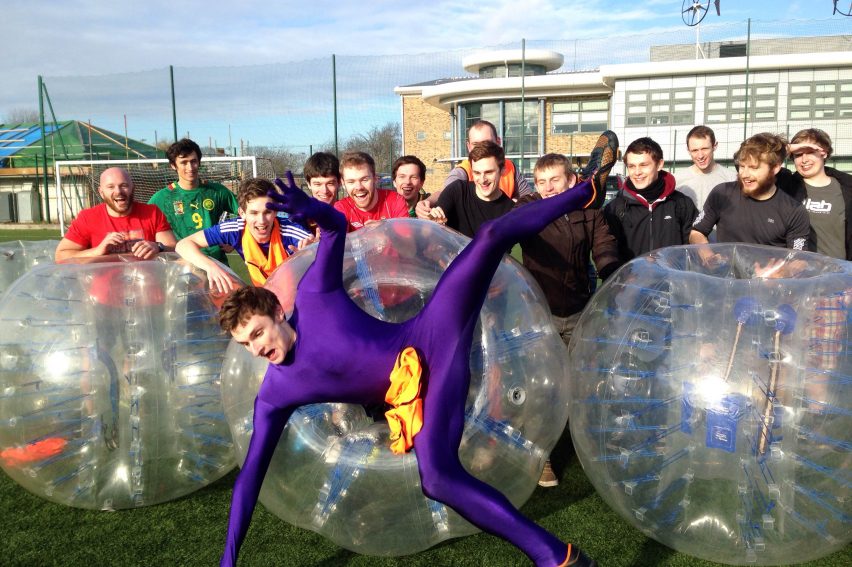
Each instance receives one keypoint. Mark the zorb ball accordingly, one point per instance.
(20, 256)
(109, 383)
(711, 401)
(333, 471)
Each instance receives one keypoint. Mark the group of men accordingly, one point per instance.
(760, 203)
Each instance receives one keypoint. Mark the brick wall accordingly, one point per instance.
(427, 136)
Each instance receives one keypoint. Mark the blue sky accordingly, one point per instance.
(262, 51)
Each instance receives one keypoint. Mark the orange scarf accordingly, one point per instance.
(259, 266)
(405, 419)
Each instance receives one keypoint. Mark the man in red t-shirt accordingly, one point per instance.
(366, 204)
(118, 225)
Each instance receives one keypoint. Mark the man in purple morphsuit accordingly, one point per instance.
(302, 372)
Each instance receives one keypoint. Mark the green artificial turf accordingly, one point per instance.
(191, 530)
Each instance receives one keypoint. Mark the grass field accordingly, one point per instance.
(191, 530)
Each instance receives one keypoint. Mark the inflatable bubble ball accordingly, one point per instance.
(333, 471)
(711, 401)
(109, 383)
(20, 256)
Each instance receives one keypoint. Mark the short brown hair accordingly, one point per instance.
(479, 124)
(763, 147)
(701, 131)
(252, 189)
(644, 146)
(548, 161)
(241, 304)
(321, 164)
(357, 159)
(484, 150)
(815, 136)
(409, 160)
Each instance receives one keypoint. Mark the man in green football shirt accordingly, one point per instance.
(190, 204)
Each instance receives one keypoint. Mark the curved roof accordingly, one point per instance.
(550, 60)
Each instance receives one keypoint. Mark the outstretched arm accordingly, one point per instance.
(326, 273)
(269, 422)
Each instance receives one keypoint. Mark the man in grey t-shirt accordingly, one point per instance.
(825, 193)
(704, 174)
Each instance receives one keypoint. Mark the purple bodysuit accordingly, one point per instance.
(357, 370)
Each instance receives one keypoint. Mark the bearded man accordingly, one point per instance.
(752, 209)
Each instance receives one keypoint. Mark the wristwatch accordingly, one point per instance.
(161, 247)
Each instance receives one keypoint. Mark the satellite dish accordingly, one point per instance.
(839, 9)
(693, 11)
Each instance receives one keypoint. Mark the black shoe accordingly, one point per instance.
(601, 160)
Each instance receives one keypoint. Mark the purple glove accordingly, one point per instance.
(291, 200)
(785, 320)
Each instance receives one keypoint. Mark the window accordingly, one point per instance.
(580, 116)
(649, 108)
(514, 131)
(510, 70)
(728, 104)
(506, 117)
(824, 99)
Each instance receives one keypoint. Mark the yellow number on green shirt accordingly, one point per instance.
(197, 219)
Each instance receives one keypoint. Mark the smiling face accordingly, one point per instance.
(324, 189)
(259, 219)
(266, 337)
(360, 183)
(809, 162)
(186, 166)
(116, 190)
(408, 183)
(701, 151)
(486, 176)
(552, 181)
(757, 178)
(642, 170)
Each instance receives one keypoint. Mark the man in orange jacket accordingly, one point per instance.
(512, 182)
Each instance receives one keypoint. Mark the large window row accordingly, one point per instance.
(661, 107)
(580, 116)
(728, 104)
(813, 101)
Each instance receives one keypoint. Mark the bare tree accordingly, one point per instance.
(381, 142)
(282, 158)
(21, 116)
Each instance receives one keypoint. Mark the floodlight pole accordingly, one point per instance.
(748, 61)
(43, 148)
(523, 100)
(334, 97)
(174, 110)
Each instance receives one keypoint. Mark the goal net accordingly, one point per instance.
(77, 180)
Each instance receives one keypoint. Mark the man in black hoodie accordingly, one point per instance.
(647, 213)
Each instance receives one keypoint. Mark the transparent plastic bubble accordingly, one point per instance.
(711, 407)
(333, 471)
(20, 256)
(109, 383)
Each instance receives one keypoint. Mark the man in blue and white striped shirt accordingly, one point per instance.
(263, 240)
